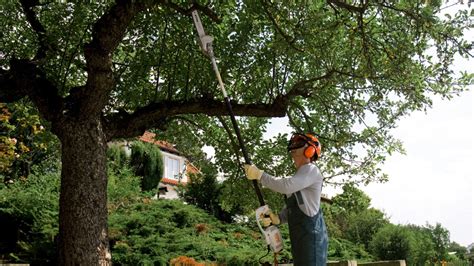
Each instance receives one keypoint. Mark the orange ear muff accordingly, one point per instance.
(310, 151)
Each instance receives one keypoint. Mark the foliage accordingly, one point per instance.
(123, 188)
(158, 231)
(7, 150)
(391, 242)
(440, 238)
(25, 144)
(146, 231)
(342, 249)
(422, 246)
(117, 157)
(460, 251)
(364, 225)
(349, 217)
(349, 71)
(204, 192)
(418, 245)
(352, 199)
(147, 162)
(29, 212)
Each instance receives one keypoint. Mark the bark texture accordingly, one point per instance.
(83, 201)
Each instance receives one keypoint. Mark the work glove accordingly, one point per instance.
(252, 172)
(273, 219)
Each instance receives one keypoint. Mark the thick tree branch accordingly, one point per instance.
(106, 36)
(305, 87)
(122, 125)
(25, 79)
(44, 46)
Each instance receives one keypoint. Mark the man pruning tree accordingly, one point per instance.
(125, 67)
(308, 234)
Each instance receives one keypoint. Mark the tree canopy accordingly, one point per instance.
(348, 70)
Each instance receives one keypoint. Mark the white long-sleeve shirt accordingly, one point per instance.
(307, 179)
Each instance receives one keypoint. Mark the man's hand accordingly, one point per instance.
(274, 219)
(252, 172)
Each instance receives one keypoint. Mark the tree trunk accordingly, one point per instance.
(83, 238)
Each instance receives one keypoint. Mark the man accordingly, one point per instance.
(308, 234)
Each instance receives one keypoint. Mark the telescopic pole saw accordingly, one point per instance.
(205, 41)
(272, 233)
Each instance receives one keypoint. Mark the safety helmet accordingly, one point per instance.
(299, 140)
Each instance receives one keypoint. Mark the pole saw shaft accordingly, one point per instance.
(206, 46)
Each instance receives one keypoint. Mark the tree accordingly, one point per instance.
(363, 226)
(147, 161)
(422, 247)
(440, 237)
(205, 191)
(392, 242)
(102, 71)
(352, 199)
(460, 251)
(350, 217)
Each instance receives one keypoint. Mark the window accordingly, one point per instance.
(172, 168)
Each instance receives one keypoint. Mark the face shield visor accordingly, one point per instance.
(296, 142)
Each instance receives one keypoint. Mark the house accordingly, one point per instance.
(176, 168)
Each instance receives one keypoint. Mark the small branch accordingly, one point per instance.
(292, 122)
(304, 87)
(412, 15)
(289, 39)
(187, 11)
(44, 46)
(344, 5)
(235, 147)
(306, 117)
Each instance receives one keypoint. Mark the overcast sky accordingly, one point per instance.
(433, 182)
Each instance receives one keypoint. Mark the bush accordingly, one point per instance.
(392, 242)
(29, 215)
(342, 249)
(117, 157)
(158, 231)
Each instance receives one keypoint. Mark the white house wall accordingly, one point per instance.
(182, 163)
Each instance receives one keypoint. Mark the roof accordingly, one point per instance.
(166, 146)
(169, 181)
(191, 169)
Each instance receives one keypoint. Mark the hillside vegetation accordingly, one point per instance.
(144, 231)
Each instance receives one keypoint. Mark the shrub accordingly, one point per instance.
(117, 157)
(29, 211)
(147, 161)
(162, 230)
